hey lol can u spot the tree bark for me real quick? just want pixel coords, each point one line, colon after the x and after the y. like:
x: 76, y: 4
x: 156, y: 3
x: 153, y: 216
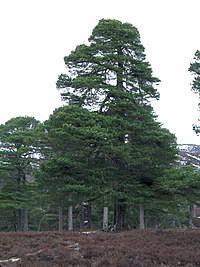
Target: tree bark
x: 81, y: 216
x: 89, y: 215
x: 60, y: 215
x: 20, y: 220
x: 85, y: 215
x: 155, y: 223
x: 142, y: 218
x: 119, y: 219
x: 70, y: 218
x: 105, y: 218
x: 25, y: 223
x: 192, y: 215
x: 15, y: 220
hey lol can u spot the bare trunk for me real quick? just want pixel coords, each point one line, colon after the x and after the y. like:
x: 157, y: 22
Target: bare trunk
x: 192, y: 209
x: 155, y: 223
x: 89, y: 215
x: 81, y: 216
x: 70, y: 218
x: 119, y: 219
x: 105, y: 218
x: 142, y: 218
x: 192, y: 215
x: 25, y: 224
x: 15, y: 220
x: 60, y: 222
x: 85, y: 215
x: 20, y: 220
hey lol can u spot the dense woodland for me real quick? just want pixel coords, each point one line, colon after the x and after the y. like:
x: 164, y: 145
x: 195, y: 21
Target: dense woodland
x: 102, y: 160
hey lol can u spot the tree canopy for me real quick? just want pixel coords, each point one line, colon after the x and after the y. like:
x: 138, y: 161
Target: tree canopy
x: 112, y: 64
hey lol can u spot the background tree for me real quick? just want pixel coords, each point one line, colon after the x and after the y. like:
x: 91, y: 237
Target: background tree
x: 194, y: 69
x: 20, y: 150
x: 179, y: 188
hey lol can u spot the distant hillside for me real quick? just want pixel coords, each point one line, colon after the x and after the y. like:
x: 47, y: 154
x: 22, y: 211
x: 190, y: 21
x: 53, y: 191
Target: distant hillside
x: 189, y: 154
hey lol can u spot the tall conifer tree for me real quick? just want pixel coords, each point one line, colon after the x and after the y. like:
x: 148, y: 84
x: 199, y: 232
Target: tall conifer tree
x: 111, y: 78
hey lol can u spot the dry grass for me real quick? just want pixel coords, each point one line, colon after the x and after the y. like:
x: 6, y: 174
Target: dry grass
x: 117, y: 249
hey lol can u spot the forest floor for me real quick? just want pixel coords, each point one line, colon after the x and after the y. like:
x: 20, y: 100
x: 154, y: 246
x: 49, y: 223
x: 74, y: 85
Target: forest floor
x: 133, y: 248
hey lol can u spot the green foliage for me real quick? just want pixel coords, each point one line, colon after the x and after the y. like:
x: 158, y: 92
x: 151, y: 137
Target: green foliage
x: 176, y: 190
x: 194, y: 69
x: 105, y: 154
x: 182, y: 182
x: 113, y: 62
x: 19, y: 156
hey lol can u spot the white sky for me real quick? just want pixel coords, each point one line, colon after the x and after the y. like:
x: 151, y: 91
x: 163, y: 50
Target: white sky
x: 35, y: 35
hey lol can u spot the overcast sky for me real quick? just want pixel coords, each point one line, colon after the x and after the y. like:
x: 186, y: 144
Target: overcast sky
x: 37, y: 34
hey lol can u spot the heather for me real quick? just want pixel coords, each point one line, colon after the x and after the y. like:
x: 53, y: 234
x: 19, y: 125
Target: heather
x: 141, y: 248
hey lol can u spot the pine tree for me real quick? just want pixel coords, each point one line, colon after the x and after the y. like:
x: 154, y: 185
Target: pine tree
x: 19, y: 156
x: 194, y: 69
x: 111, y: 78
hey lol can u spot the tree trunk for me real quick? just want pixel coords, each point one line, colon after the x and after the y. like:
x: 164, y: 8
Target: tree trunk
x: 105, y: 218
x: 192, y: 215
x: 70, y: 218
x: 155, y: 223
x: 25, y: 223
x: 20, y: 220
x: 89, y: 216
x: 142, y: 218
x: 60, y: 223
x: 81, y: 216
x: 15, y: 220
x: 85, y: 215
x: 119, y: 219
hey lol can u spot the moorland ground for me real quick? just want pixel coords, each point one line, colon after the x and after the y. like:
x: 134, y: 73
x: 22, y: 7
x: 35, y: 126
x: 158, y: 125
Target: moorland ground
x: 133, y: 248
